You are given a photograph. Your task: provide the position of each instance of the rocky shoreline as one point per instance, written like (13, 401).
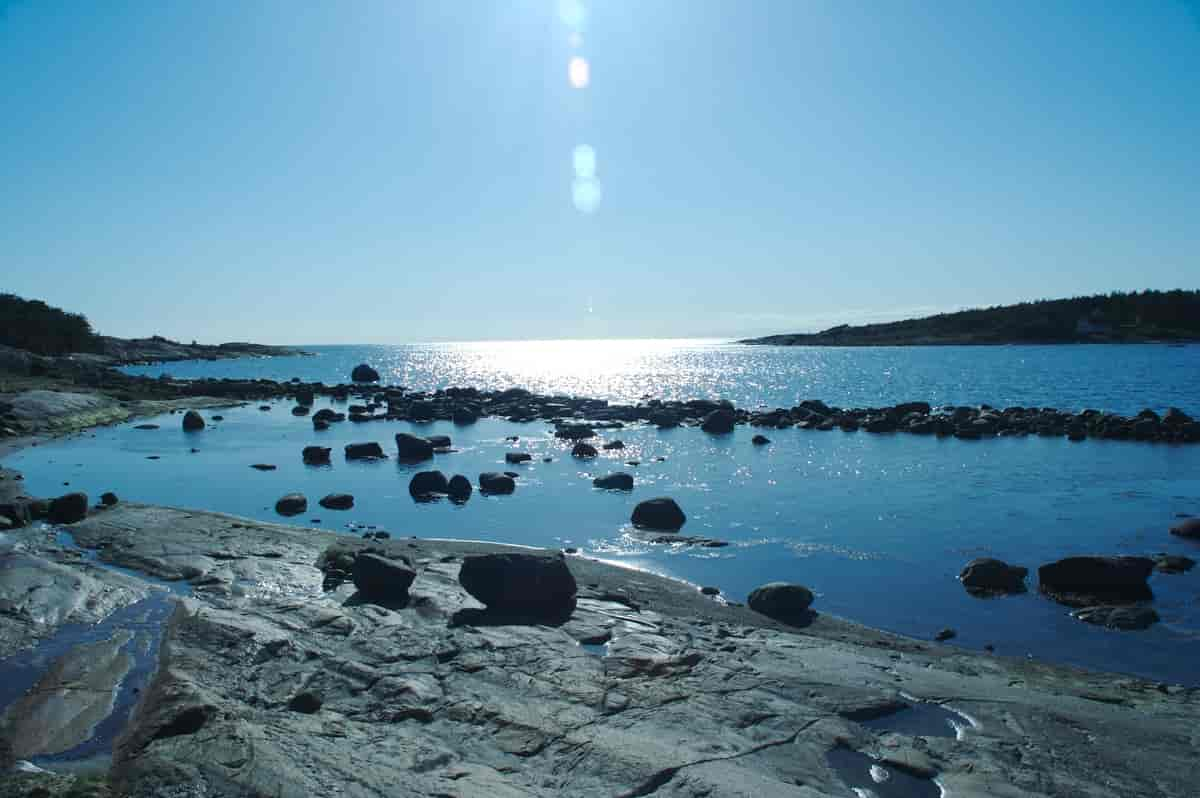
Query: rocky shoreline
(268, 682)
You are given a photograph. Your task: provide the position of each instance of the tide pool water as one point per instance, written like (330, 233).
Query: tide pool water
(877, 525)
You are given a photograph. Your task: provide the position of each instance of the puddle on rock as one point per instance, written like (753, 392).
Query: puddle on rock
(143, 620)
(920, 719)
(869, 778)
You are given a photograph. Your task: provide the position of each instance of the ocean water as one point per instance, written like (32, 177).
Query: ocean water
(877, 525)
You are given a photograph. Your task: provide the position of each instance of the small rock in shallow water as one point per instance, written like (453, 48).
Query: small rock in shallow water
(426, 485)
(263, 467)
(291, 504)
(517, 457)
(459, 488)
(1173, 564)
(492, 482)
(192, 421)
(364, 451)
(760, 440)
(413, 447)
(337, 501)
(710, 591)
(945, 634)
(316, 455)
(108, 499)
(1189, 528)
(659, 513)
(616, 481)
(364, 373)
(584, 450)
(988, 576)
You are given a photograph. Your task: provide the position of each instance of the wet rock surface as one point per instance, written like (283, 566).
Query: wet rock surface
(270, 684)
(661, 513)
(986, 576)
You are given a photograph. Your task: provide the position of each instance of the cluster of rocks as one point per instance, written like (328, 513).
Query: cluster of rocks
(1107, 591)
(70, 508)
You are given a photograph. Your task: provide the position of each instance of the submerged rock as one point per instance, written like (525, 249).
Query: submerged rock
(574, 432)
(291, 504)
(584, 450)
(413, 447)
(1123, 617)
(385, 579)
(492, 482)
(518, 582)
(1173, 564)
(782, 601)
(987, 575)
(192, 421)
(659, 513)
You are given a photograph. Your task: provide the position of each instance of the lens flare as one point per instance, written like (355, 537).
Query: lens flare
(572, 13)
(585, 194)
(579, 72)
(583, 158)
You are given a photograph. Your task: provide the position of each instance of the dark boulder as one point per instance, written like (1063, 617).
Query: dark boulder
(459, 488)
(613, 445)
(464, 414)
(325, 414)
(760, 440)
(108, 499)
(782, 601)
(584, 450)
(1188, 528)
(517, 457)
(539, 584)
(413, 447)
(616, 481)
(383, 579)
(422, 410)
(659, 513)
(1123, 617)
(663, 419)
(364, 373)
(364, 451)
(263, 466)
(337, 501)
(492, 483)
(440, 441)
(1173, 564)
(301, 410)
(986, 575)
(719, 422)
(574, 432)
(69, 508)
(305, 397)
(316, 455)
(320, 424)
(192, 421)
(1087, 581)
(426, 485)
(306, 702)
(291, 504)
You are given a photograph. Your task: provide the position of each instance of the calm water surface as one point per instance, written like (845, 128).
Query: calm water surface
(877, 525)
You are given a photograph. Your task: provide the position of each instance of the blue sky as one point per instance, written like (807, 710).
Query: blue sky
(399, 171)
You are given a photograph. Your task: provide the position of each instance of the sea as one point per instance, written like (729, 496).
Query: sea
(878, 526)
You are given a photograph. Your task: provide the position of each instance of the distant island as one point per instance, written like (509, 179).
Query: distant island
(1148, 316)
(31, 325)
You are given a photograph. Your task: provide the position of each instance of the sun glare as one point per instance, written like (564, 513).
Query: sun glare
(579, 72)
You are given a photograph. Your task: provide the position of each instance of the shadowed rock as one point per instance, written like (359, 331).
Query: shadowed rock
(1173, 564)
(584, 450)
(1123, 617)
(783, 601)
(364, 451)
(719, 422)
(459, 488)
(988, 576)
(316, 455)
(291, 504)
(68, 508)
(1088, 581)
(383, 579)
(574, 432)
(538, 584)
(659, 513)
(760, 440)
(439, 441)
(493, 482)
(413, 447)
(364, 373)
(1188, 528)
(192, 421)
(337, 501)
(517, 457)
(426, 485)
(615, 481)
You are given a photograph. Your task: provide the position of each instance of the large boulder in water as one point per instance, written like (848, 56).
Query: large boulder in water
(384, 579)
(364, 451)
(364, 373)
(69, 508)
(521, 582)
(584, 450)
(316, 455)
(615, 481)
(782, 601)
(413, 447)
(719, 421)
(459, 488)
(1188, 528)
(193, 421)
(492, 482)
(337, 501)
(986, 575)
(291, 504)
(426, 485)
(660, 513)
(1087, 581)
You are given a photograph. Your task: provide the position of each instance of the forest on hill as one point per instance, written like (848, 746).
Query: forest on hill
(1103, 318)
(34, 326)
